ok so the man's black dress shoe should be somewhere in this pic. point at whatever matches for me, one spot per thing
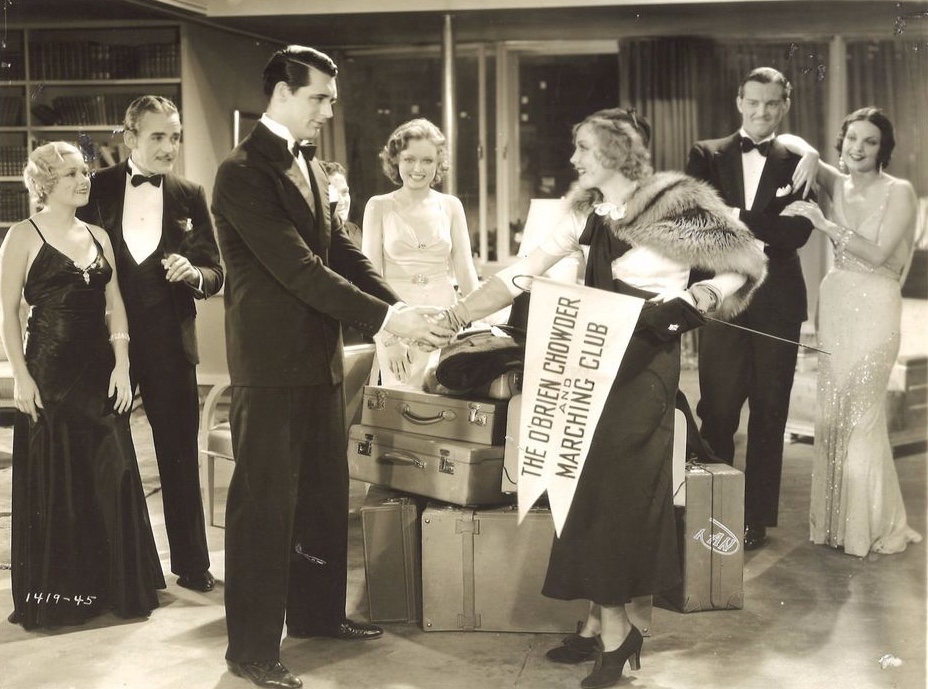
(348, 630)
(754, 537)
(198, 581)
(266, 673)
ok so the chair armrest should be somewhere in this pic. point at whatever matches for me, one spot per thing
(211, 407)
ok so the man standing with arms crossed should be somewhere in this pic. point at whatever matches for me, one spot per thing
(294, 277)
(753, 174)
(167, 257)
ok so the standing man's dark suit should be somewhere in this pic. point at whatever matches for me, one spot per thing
(294, 277)
(734, 365)
(159, 292)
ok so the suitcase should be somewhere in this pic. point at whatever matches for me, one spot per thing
(390, 528)
(452, 471)
(711, 529)
(482, 571)
(440, 416)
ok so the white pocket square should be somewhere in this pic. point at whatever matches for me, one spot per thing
(784, 191)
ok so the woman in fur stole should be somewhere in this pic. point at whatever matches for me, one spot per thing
(644, 234)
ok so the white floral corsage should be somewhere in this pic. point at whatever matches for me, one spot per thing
(188, 225)
(784, 191)
(610, 209)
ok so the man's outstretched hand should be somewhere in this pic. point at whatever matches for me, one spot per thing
(421, 325)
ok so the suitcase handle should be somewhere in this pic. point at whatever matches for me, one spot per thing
(398, 457)
(444, 415)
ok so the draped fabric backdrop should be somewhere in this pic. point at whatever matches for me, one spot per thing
(687, 88)
(893, 75)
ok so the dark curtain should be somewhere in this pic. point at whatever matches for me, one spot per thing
(687, 88)
(893, 75)
(662, 78)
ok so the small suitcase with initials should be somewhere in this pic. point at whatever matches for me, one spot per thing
(390, 527)
(440, 416)
(711, 529)
(452, 471)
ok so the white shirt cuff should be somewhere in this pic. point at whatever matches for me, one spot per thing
(390, 311)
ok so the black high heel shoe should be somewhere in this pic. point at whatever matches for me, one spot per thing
(574, 648)
(609, 664)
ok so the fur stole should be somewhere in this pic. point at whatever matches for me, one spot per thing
(684, 219)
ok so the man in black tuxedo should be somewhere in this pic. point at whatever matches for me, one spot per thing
(753, 174)
(167, 257)
(294, 277)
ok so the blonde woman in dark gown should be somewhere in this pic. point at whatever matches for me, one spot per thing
(82, 542)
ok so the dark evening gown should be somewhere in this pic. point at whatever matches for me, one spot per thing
(619, 540)
(82, 542)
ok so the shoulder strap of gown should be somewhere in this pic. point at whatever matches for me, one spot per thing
(38, 230)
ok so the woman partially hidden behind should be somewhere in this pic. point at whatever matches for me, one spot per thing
(82, 543)
(856, 501)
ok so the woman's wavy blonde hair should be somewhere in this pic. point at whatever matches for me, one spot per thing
(41, 172)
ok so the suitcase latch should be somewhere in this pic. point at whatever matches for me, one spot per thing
(445, 465)
(377, 401)
(475, 417)
(365, 447)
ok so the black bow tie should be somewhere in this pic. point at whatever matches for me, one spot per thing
(138, 180)
(747, 144)
(308, 151)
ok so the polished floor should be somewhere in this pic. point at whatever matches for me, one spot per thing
(813, 618)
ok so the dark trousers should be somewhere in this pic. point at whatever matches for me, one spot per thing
(167, 382)
(286, 517)
(735, 366)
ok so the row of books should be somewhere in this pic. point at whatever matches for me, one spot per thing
(14, 204)
(11, 110)
(12, 160)
(89, 60)
(107, 110)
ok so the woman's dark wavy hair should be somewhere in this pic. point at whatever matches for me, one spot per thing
(623, 136)
(878, 118)
(417, 129)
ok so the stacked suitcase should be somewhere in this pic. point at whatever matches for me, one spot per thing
(436, 465)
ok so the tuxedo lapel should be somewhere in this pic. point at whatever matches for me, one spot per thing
(295, 175)
(173, 207)
(775, 175)
(110, 202)
(731, 172)
(324, 211)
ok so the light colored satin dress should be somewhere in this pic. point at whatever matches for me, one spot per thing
(418, 270)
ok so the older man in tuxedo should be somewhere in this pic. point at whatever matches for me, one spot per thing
(753, 174)
(294, 277)
(167, 257)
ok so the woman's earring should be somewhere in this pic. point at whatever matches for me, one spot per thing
(842, 166)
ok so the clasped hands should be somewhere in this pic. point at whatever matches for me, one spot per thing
(426, 327)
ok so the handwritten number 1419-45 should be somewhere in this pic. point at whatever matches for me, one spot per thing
(56, 598)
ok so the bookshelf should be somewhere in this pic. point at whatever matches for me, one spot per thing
(62, 84)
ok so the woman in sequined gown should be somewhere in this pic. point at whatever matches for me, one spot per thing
(417, 238)
(856, 500)
(82, 542)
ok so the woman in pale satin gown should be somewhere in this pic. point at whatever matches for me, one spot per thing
(856, 500)
(417, 238)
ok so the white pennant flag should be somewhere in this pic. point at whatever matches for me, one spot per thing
(576, 339)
